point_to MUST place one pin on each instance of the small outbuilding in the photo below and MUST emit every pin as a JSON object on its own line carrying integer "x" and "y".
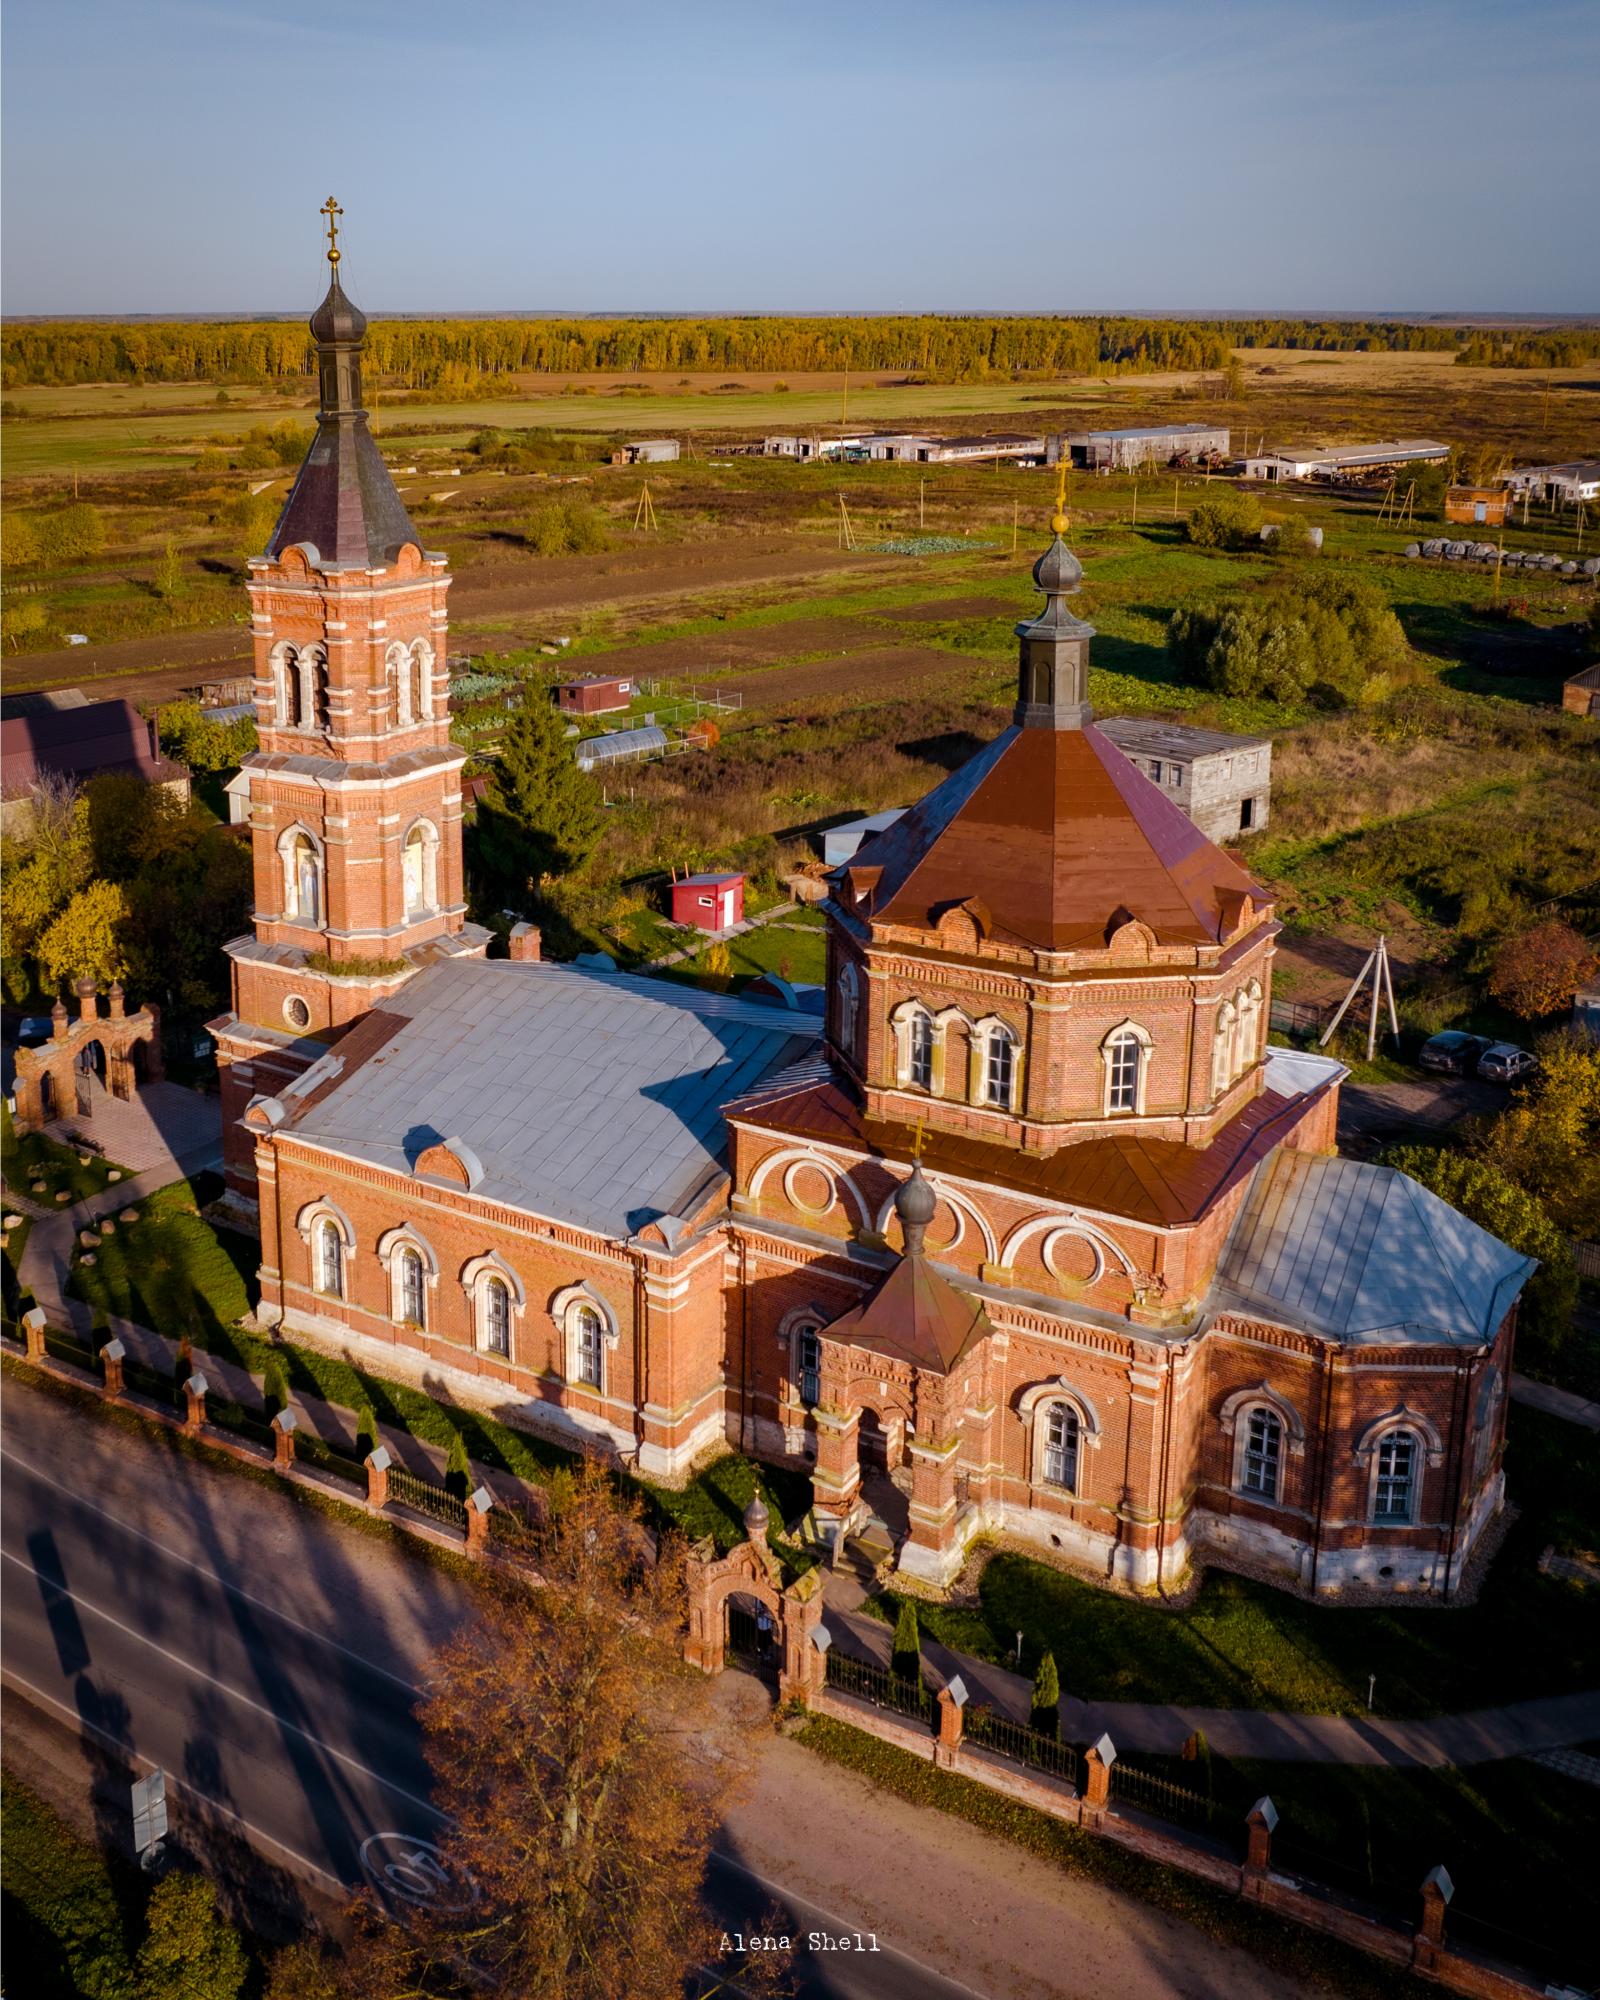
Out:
{"x": 621, "y": 746}
{"x": 1224, "y": 783}
{"x": 709, "y": 902}
{"x": 1485, "y": 505}
{"x": 595, "y": 694}
{"x": 648, "y": 451}
{"x": 1152, "y": 444}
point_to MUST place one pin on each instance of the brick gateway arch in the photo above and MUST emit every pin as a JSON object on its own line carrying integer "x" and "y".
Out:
{"x": 752, "y": 1570}
{"x": 129, "y": 1045}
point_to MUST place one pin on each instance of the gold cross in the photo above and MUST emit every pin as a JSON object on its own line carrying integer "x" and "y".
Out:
{"x": 331, "y": 209}
{"x": 916, "y": 1143}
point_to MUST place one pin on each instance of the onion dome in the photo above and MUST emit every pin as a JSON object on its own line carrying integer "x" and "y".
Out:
{"x": 914, "y": 1203}
{"x": 337, "y": 319}
{"x": 756, "y": 1518}
{"x": 1058, "y": 570}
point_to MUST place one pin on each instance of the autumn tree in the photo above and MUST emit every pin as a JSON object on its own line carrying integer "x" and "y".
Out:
{"x": 1537, "y": 972}
{"x": 188, "y": 1949}
{"x": 581, "y": 1770}
{"x": 85, "y": 941}
{"x": 1548, "y": 1139}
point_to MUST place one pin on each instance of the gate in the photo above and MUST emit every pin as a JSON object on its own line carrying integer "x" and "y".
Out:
{"x": 752, "y": 1639}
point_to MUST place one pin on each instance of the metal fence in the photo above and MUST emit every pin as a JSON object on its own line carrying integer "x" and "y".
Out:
{"x": 1147, "y": 1792}
{"x": 328, "y": 1458}
{"x": 877, "y": 1685}
{"x": 1555, "y": 1963}
{"x": 989, "y": 1731}
{"x": 423, "y": 1497}
{"x": 64, "y": 1347}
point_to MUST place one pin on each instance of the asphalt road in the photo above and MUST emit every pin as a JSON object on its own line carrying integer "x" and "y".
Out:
{"x": 267, "y": 1663}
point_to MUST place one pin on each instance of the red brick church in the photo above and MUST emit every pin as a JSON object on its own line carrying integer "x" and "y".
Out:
{"x": 1031, "y": 1233}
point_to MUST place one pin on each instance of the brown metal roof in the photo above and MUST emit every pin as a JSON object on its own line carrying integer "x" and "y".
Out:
{"x": 1161, "y": 1182}
{"x": 915, "y": 1315}
{"x": 1056, "y": 833}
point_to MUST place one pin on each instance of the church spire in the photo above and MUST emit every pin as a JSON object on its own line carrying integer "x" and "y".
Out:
{"x": 343, "y": 504}
{"x": 1053, "y": 667}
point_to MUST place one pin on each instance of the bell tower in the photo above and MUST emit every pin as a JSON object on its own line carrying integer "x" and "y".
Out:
{"x": 353, "y": 798}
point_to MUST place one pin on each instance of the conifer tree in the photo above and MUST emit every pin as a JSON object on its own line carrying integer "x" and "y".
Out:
{"x": 907, "y": 1660}
{"x": 544, "y": 815}
{"x": 458, "y": 1467}
{"x": 1046, "y": 1715}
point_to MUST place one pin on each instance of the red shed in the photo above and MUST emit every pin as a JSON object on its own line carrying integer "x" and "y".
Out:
{"x": 709, "y": 902}
{"x": 598, "y": 694}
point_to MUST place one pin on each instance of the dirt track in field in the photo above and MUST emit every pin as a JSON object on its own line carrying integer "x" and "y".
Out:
{"x": 525, "y": 600}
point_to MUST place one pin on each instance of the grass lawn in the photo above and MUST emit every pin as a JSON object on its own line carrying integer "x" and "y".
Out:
{"x": 29, "y": 1157}
{"x": 171, "y": 1270}
{"x": 174, "y": 1271}
{"x": 1242, "y": 1644}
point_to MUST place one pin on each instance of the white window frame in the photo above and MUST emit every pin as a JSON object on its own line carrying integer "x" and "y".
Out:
{"x": 495, "y": 1340}
{"x": 1000, "y": 1070}
{"x": 1061, "y": 1463}
{"x": 329, "y": 1262}
{"x": 475, "y": 1278}
{"x": 422, "y": 834}
{"x": 393, "y": 1249}
{"x": 588, "y": 1347}
{"x": 1384, "y": 1450}
{"x": 289, "y": 842}
{"x": 1034, "y": 1409}
{"x": 1265, "y": 1456}
{"x": 568, "y": 1309}
{"x": 847, "y": 1007}
{"x": 1113, "y": 1050}
{"x": 915, "y": 1032}
{"x": 1223, "y": 1050}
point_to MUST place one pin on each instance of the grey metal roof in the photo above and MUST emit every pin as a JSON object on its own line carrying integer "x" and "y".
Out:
{"x": 1175, "y": 739}
{"x": 1147, "y": 431}
{"x": 1361, "y": 1253}
{"x": 620, "y": 744}
{"x": 590, "y": 1097}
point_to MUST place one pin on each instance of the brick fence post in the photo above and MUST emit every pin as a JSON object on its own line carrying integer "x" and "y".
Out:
{"x": 952, "y": 1724}
{"x": 111, "y": 1359}
{"x": 284, "y": 1425}
{"x": 1428, "y": 1942}
{"x": 33, "y": 1332}
{"x": 1099, "y": 1758}
{"x": 478, "y": 1506}
{"x": 1260, "y": 1823}
{"x": 378, "y": 1463}
{"x": 194, "y": 1399}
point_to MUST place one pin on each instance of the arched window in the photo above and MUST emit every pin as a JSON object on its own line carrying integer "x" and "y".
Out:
{"x": 1394, "y": 1485}
{"x": 588, "y": 1340}
{"x": 1249, "y": 1031}
{"x": 330, "y": 1258}
{"x": 1062, "y": 1435}
{"x": 1000, "y": 1068}
{"x": 1259, "y": 1466}
{"x": 397, "y": 662}
{"x": 419, "y": 674}
{"x": 419, "y": 869}
{"x": 1222, "y": 1048}
{"x": 495, "y": 1309}
{"x": 413, "y": 1295}
{"x": 288, "y": 692}
{"x": 808, "y": 1365}
{"x": 302, "y": 877}
{"x": 846, "y": 1007}
{"x": 1124, "y": 1052}
{"x": 321, "y": 712}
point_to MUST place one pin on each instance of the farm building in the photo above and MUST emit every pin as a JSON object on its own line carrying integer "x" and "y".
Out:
{"x": 708, "y": 902}
{"x": 621, "y": 746}
{"x": 1346, "y": 463}
{"x": 1485, "y": 505}
{"x": 1581, "y": 694}
{"x": 595, "y": 694}
{"x": 813, "y": 444}
{"x": 839, "y": 843}
{"x": 1563, "y": 485}
{"x": 896, "y": 447}
{"x": 1224, "y": 783}
{"x": 989, "y": 445}
{"x": 1126, "y": 450}
{"x": 647, "y": 451}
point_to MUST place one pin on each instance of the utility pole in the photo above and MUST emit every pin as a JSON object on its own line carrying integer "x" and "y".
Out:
{"x": 922, "y": 495}
{"x": 1136, "y": 503}
{"x": 1174, "y": 496}
{"x": 644, "y": 515}
{"x": 1015, "y": 505}
{"x": 1377, "y": 965}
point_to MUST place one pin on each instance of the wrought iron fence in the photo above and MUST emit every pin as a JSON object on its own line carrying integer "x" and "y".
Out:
{"x": 328, "y": 1458}
{"x": 877, "y": 1685}
{"x": 1020, "y": 1743}
{"x": 1557, "y": 1963}
{"x": 65, "y": 1347}
{"x": 1147, "y": 1792}
{"x": 423, "y": 1497}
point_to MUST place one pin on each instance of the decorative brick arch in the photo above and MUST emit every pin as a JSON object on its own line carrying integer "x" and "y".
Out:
{"x": 127, "y": 1041}
{"x": 752, "y": 1570}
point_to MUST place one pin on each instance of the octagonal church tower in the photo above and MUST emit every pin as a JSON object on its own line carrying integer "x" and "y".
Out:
{"x": 353, "y": 798}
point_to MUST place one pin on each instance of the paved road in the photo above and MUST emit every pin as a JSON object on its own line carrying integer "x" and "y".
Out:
{"x": 267, "y": 1660}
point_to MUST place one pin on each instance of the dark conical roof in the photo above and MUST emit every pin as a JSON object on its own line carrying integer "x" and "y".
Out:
{"x": 343, "y": 503}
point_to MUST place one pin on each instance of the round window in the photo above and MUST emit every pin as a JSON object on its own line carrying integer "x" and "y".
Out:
{"x": 296, "y": 1012}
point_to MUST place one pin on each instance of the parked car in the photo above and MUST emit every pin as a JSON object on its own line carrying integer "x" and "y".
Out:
{"x": 1506, "y": 1063}
{"x": 1454, "y": 1052}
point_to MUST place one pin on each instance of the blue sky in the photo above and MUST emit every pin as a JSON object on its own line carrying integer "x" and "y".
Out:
{"x": 170, "y": 155}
